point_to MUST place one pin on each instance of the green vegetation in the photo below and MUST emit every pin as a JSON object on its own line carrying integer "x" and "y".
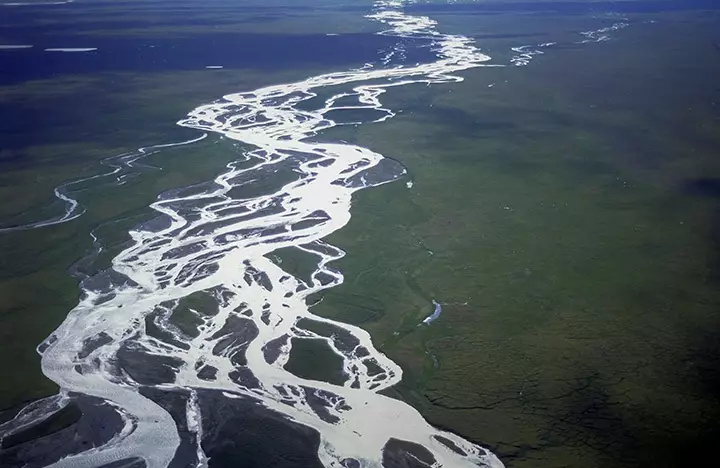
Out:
{"x": 312, "y": 358}
{"x": 298, "y": 263}
{"x": 62, "y": 419}
{"x": 567, "y": 218}
{"x": 187, "y": 314}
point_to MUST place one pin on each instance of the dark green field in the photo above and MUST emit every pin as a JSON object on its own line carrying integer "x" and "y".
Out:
{"x": 568, "y": 218}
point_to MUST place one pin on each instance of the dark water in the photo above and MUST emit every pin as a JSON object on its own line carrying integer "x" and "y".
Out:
{"x": 154, "y": 36}
{"x": 231, "y": 50}
{"x": 149, "y": 51}
{"x": 147, "y": 54}
{"x": 568, "y": 8}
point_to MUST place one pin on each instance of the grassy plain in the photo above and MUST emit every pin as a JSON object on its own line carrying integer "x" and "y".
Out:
{"x": 567, "y": 218}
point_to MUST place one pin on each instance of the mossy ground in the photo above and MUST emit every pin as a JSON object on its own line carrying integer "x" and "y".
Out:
{"x": 567, "y": 217}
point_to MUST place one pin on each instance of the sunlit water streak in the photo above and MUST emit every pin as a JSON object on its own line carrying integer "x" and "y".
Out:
{"x": 120, "y": 166}
{"x": 524, "y": 54}
{"x": 40, "y": 3}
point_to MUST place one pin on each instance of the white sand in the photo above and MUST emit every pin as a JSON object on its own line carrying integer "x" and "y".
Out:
{"x": 14, "y": 47}
{"x": 71, "y": 49}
